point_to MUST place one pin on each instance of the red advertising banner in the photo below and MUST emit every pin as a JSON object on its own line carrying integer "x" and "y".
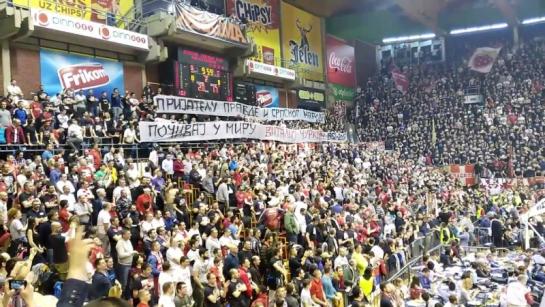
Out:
{"x": 341, "y": 62}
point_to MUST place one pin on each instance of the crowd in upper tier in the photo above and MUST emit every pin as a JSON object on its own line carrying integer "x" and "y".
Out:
{"x": 504, "y": 136}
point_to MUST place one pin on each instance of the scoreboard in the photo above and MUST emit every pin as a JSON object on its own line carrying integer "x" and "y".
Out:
{"x": 204, "y": 76}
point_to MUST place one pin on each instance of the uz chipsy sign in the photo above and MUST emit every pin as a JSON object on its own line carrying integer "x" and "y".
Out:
{"x": 60, "y": 70}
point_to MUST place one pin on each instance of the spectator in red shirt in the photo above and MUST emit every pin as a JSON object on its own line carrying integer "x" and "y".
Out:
{"x": 243, "y": 271}
{"x": 15, "y": 133}
{"x": 317, "y": 288}
{"x": 97, "y": 156}
{"x": 144, "y": 202}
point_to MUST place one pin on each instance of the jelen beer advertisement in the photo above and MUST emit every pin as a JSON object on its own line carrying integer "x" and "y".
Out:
{"x": 61, "y": 70}
{"x": 302, "y": 42}
{"x": 262, "y": 18}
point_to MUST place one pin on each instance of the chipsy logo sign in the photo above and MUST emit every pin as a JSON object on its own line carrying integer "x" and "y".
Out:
{"x": 61, "y": 71}
{"x": 262, "y": 20}
{"x": 254, "y": 12}
{"x": 63, "y": 23}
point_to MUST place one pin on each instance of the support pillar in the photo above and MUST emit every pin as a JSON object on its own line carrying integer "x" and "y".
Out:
{"x": 516, "y": 40}
{"x": 5, "y": 66}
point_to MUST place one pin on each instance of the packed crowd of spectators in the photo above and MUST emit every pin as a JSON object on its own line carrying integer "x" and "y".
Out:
{"x": 258, "y": 224}
{"x": 272, "y": 225}
{"x": 504, "y": 136}
{"x": 85, "y": 117}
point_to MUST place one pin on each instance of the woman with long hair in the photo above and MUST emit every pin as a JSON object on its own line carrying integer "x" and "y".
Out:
{"x": 17, "y": 231}
{"x": 33, "y": 240}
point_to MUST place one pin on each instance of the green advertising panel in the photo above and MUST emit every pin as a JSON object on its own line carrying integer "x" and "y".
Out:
{"x": 341, "y": 93}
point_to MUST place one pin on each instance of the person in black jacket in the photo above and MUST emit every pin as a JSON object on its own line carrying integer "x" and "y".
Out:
{"x": 100, "y": 283}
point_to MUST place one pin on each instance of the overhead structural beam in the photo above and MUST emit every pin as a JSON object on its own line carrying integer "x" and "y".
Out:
{"x": 425, "y": 12}
{"x": 508, "y": 12}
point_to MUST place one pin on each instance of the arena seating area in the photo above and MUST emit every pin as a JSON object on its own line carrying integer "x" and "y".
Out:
{"x": 90, "y": 215}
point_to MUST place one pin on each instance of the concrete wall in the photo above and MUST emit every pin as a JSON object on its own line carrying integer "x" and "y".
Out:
{"x": 25, "y": 68}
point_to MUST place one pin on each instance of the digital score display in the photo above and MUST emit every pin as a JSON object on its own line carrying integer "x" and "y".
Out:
{"x": 203, "y": 75}
{"x": 204, "y": 82}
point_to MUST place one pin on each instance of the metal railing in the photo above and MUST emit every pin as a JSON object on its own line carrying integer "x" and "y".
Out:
{"x": 136, "y": 151}
{"x": 428, "y": 244}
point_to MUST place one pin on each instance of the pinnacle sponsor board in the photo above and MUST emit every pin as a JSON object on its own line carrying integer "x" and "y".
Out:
{"x": 262, "y": 18}
{"x": 52, "y": 21}
{"x": 254, "y": 67}
{"x": 302, "y": 42}
{"x": 60, "y": 70}
{"x": 340, "y": 62}
{"x": 101, "y": 11}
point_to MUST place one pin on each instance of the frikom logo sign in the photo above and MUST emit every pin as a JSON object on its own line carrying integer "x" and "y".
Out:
{"x": 62, "y": 70}
{"x": 63, "y": 23}
{"x": 264, "y": 98}
{"x": 83, "y": 76}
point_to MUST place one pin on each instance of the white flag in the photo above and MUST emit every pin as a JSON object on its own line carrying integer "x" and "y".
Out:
{"x": 483, "y": 59}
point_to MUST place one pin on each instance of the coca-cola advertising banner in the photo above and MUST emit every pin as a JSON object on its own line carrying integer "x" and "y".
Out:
{"x": 341, "y": 62}
{"x": 61, "y": 70}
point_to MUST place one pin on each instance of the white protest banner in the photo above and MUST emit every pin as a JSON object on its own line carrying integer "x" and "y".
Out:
{"x": 175, "y": 104}
{"x": 164, "y": 131}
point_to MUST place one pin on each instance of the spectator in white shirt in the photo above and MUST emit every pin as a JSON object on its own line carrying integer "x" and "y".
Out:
{"x": 85, "y": 191}
{"x": 306, "y": 298}
{"x": 129, "y": 135}
{"x": 227, "y": 239}
{"x": 146, "y": 225}
{"x": 75, "y": 135}
{"x": 158, "y": 221}
{"x": 517, "y": 292}
{"x": 14, "y": 91}
{"x": 168, "y": 274}
{"x": 69, "y": 197}
{"x": 125, "y": 254}
{"x": 167, "y": 298}
{"x": 121, "y": 187}
{"x": 212, "y": 242}
{"x": 174, "y": 253}
{"x": 341, "y": 259}
{"x": 168, "y": 165}
{"x": 83, "y": 210}
{"x": 103, "y": 224}
{"x": 65, "y": 182}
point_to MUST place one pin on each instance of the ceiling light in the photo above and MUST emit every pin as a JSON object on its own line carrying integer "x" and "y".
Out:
{"x": 479, "y": 29}
{"x": 408, "y": 38}
{"x": 530, "y": 21}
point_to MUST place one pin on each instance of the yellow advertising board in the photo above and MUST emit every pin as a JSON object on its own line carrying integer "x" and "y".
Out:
{"x": 302, "y": 42}
{"x": 262, "y": 19}
{"x": 94, "y": 10}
